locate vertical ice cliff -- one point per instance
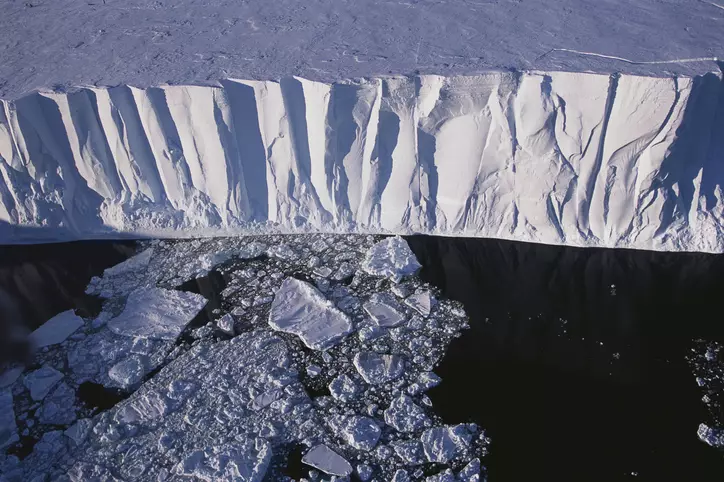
(573, 158)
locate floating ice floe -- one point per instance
(401, 475)
(343, 388)
(226, 324)
(384, 311)
(8, 428)
(443, 444)
(328, 461)
(41, 381)
(711, 436)
(410, 451)
(157, 313)
(129, 371)
(357, 431)
(56, 330)
(59, 407)
(404, 416)
(421, 302)
(133, 264)
(471, 472)
(299, 308)
(391, 258)
(376, 368)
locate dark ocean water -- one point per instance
(574, 363)
(575, 360)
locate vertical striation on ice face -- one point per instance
(299, 308)
(376, 368)
(157, 313)
(41, 381)
(328, 461)
(56, 330)
(391, 258)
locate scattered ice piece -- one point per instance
(376, 368)
(443, 444)
(319, 245)
(401, 476)
(314, 370)
(446, 476)
(157, 313)
(300, 309)
(323, 272)
(41, 381)
(135, 263)
(360, 432)
(391, 258)
(226, 324)
(383, 314)
(130, 371)
(711, 436)
(369, 333)
(328, 461)
(410, 451)
(345, 271)
(428, 380)
(405, 416)
(402, 290)
(8, 429)
(252, 250)
(421, 302)
(471, 472)
(364, 472)
(10, 376)
(343, 388)
(79, 430)
(281, 251)
(59, 408)
(56, 329)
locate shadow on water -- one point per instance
(574, 362)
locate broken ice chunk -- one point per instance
(252, 250)
(245, 461)
(343, 388)
(328, 461)
(445, 476)
(364, 472)
(41, 381)
(79, 430)
(56, 329)
(443, 444)
(391, 258)
(314, 370)
(471, 472)
(226, 324)
(376, 368)
(710, 435)
(157, 313)
(401, 476)
(360, 432)
(129, 371)
(405, 416)
(135, 263)
(383, 313)
(8, 429)
(421, 302)
(410, 451)
(300, 309)
(59, 407)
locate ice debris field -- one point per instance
(324, 344)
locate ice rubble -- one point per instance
(229, 405)
(554, 157)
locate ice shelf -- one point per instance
(579, 159)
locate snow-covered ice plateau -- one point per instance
(230, 388)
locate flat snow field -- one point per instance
(62, 43)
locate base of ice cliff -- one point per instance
(560, 158)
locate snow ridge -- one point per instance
(562, 158)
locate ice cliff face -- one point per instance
(572, 158)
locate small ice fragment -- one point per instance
(360, 432)
(130, 371)
(328, 461)
(383, 314)
(471, 472)
(8, 428)
(443, 444)
(391, 258)
(402, 290)
(446, 476)
(428, 380)
(369, 333)
(323, 272)
(300, 309)
(405, 416)
(267, 398)
(252, 250)
(421, 302)
(157, 313)
(314, 370)
(364, 472)
(226, 324)
(41, 381)
(711, 436)
(56, 329)
(343, 388)
(59, 407)
(376, 368)
(410, 451)
(401, 476)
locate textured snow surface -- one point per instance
(157, 313)
(553, 157)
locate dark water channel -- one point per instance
(574, 362)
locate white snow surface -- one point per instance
(157, 313)
(299, 308)
(553, 157)
(56, 329)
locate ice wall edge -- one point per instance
(560, 158)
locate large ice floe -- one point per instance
(553, 157)
(301, 349)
